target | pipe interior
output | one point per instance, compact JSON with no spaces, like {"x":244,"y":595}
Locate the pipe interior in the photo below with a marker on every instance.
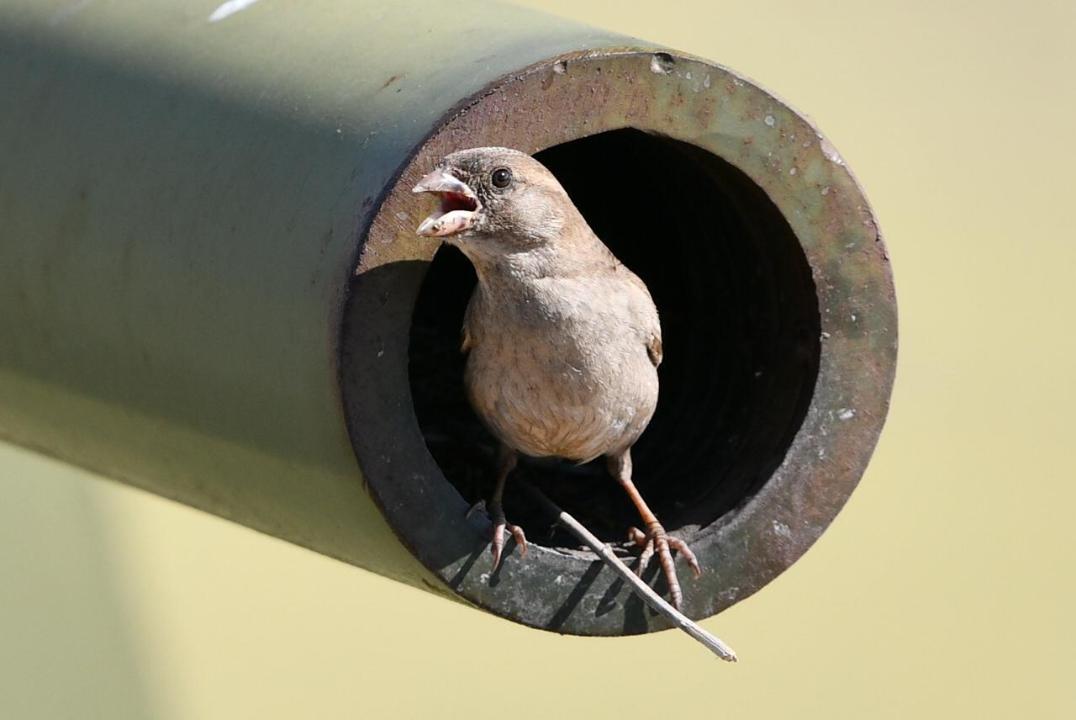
{"x":740,"y":324}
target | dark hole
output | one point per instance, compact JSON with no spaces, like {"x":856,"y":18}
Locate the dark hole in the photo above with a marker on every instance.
{"x":741,"y":337}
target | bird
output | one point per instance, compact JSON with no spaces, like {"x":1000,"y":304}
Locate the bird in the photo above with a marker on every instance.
{"x":563,"y":341}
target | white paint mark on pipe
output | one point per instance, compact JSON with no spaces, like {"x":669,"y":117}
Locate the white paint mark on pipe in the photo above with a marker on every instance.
{"x":829,"y":151}
{"x":230,"y":8}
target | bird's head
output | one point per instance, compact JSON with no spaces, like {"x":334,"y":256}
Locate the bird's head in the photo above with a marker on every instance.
{"x":494,"y":200}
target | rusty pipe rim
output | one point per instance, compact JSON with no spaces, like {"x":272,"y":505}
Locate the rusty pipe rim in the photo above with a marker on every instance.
{"x":718,"y":111}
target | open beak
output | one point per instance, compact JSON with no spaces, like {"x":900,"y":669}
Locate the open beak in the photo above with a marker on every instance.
{"x":459,"y":205}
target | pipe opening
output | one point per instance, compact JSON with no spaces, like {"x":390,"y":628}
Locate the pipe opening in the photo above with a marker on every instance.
{"x":740,"y":323}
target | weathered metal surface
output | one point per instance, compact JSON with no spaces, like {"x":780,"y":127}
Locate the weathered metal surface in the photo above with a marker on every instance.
{"x":184,"y":201}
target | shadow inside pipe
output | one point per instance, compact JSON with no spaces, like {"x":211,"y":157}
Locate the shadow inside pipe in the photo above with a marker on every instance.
{"x":571,"y":602}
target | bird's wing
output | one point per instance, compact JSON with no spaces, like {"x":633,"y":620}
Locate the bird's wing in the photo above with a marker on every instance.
{"x":653,"y":349}
{"x":467,"y":334}
{"x":465,"y":339}
{"x":647,"y":313}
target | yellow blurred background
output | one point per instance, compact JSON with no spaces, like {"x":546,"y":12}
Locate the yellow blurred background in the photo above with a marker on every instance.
{"x":945,"y":588}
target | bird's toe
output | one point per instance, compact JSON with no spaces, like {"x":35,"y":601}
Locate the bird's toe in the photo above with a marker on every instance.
{"x":685,"y":552}
{"x":655,"y":541}
{"x":497,"y":536}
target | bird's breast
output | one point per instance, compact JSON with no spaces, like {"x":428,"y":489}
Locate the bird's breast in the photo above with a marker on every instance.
{"x":560,"y":380}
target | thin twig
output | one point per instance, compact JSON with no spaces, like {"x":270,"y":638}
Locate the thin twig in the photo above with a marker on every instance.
{"x":643,"y":590}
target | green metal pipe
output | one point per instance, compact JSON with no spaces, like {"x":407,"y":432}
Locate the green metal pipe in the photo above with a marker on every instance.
{"x":187,"y":190}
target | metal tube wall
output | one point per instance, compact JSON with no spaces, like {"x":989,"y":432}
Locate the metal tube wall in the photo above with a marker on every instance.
{"x":180,"y":202}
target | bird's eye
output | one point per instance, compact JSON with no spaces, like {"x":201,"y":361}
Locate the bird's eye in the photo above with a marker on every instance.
{"x":501,"y":178}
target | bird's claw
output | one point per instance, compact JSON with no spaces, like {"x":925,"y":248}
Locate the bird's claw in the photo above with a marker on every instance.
{"x":656,"y":541}
{"x":497,"y":541}
{"x":497,"y":536}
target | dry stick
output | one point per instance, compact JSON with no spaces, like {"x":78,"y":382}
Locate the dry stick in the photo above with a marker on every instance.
{"x":644,"y":591}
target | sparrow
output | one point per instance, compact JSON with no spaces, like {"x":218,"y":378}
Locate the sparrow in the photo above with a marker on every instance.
{"x":563,"y":341}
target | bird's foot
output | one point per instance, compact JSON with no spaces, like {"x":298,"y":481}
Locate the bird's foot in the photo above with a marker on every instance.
{"x":656,"y":541}
{"x":497,"y":534}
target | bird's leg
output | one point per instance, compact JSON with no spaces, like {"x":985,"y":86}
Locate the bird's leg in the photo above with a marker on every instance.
{"x":506,"y":462}
{"x":654,"y":540}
